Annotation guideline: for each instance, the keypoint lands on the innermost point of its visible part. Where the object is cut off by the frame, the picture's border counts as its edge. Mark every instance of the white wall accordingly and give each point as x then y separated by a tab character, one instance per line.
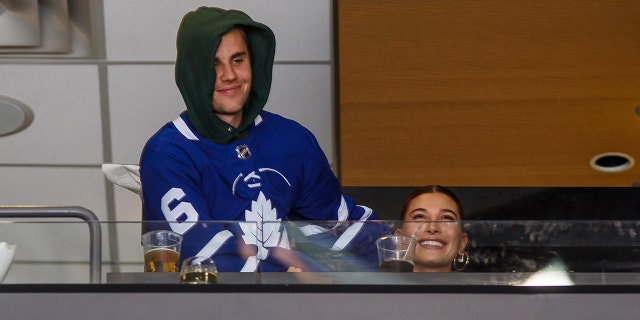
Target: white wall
94	111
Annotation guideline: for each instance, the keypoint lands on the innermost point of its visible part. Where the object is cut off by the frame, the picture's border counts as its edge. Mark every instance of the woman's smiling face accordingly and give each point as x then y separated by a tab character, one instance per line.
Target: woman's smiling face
434	220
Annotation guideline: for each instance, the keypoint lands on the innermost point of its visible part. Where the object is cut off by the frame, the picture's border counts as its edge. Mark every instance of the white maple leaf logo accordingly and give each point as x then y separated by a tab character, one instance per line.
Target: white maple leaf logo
263	235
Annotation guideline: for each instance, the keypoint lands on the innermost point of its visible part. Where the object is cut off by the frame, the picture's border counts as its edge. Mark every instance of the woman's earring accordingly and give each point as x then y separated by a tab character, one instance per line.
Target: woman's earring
461	261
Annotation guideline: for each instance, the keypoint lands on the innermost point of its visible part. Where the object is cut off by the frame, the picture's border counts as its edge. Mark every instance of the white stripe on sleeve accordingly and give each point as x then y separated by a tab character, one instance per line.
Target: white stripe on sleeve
352	231
215	243
251	265
184	129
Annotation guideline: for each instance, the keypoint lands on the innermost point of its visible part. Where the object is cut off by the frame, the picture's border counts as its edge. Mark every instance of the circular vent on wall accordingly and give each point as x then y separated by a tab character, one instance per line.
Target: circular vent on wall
612	162
15	115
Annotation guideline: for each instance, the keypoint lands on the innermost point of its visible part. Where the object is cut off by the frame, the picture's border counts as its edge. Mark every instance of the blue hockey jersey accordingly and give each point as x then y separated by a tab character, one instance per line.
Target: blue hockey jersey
188	180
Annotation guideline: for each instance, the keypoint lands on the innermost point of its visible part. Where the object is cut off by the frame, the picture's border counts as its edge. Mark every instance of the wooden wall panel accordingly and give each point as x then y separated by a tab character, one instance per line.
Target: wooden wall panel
487	93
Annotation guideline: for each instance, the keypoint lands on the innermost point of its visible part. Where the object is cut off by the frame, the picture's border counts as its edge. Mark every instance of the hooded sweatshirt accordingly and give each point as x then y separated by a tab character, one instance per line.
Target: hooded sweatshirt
198	39
196	174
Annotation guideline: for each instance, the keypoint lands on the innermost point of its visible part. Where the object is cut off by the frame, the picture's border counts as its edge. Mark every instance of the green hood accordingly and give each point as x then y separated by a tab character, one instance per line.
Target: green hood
198	39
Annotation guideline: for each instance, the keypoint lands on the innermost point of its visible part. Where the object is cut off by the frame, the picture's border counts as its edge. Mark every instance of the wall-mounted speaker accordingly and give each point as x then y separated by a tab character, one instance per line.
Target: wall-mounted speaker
53	33
47	28
19	23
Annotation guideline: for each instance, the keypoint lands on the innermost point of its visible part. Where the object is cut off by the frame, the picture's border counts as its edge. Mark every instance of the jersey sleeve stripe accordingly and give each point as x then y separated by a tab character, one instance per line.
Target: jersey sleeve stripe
215	243
184	129
352	231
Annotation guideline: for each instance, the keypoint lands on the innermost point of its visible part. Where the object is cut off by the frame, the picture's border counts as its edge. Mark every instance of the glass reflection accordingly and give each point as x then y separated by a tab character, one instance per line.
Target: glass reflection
504	253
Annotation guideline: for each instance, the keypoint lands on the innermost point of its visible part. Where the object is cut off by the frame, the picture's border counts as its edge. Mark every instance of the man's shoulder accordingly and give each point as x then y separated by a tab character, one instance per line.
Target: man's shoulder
173	136
276	121
286	134
166	134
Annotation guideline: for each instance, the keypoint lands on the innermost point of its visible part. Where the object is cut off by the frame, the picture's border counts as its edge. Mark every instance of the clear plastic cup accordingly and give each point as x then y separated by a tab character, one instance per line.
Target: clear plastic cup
395	253
161	251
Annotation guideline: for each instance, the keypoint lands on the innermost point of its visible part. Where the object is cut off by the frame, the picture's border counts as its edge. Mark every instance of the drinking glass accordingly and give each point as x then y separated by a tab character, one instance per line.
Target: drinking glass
161	251
198	270
395	253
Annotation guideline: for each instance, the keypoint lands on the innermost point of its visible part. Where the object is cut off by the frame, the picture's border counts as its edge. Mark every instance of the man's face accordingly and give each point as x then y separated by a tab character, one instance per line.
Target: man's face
233	77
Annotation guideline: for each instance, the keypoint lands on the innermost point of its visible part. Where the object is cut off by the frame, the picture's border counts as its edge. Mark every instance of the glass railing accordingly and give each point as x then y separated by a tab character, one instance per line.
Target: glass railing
501	253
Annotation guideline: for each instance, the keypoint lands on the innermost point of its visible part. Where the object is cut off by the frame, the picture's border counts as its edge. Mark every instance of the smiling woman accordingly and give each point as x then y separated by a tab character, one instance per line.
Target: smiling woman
433	215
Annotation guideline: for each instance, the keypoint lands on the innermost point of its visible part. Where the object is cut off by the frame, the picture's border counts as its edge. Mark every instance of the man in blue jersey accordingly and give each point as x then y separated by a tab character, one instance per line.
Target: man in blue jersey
226	159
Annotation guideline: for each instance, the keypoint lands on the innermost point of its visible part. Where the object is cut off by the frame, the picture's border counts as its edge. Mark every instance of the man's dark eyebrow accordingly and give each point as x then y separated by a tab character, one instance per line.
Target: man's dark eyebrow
239	54
233	56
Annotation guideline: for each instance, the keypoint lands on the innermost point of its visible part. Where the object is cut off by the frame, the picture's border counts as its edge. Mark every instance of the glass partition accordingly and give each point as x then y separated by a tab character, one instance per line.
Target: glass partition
513	253
500	253
47	251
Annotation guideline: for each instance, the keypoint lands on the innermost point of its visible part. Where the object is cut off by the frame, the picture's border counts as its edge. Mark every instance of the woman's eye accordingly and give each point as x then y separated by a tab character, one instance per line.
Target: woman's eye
449	218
